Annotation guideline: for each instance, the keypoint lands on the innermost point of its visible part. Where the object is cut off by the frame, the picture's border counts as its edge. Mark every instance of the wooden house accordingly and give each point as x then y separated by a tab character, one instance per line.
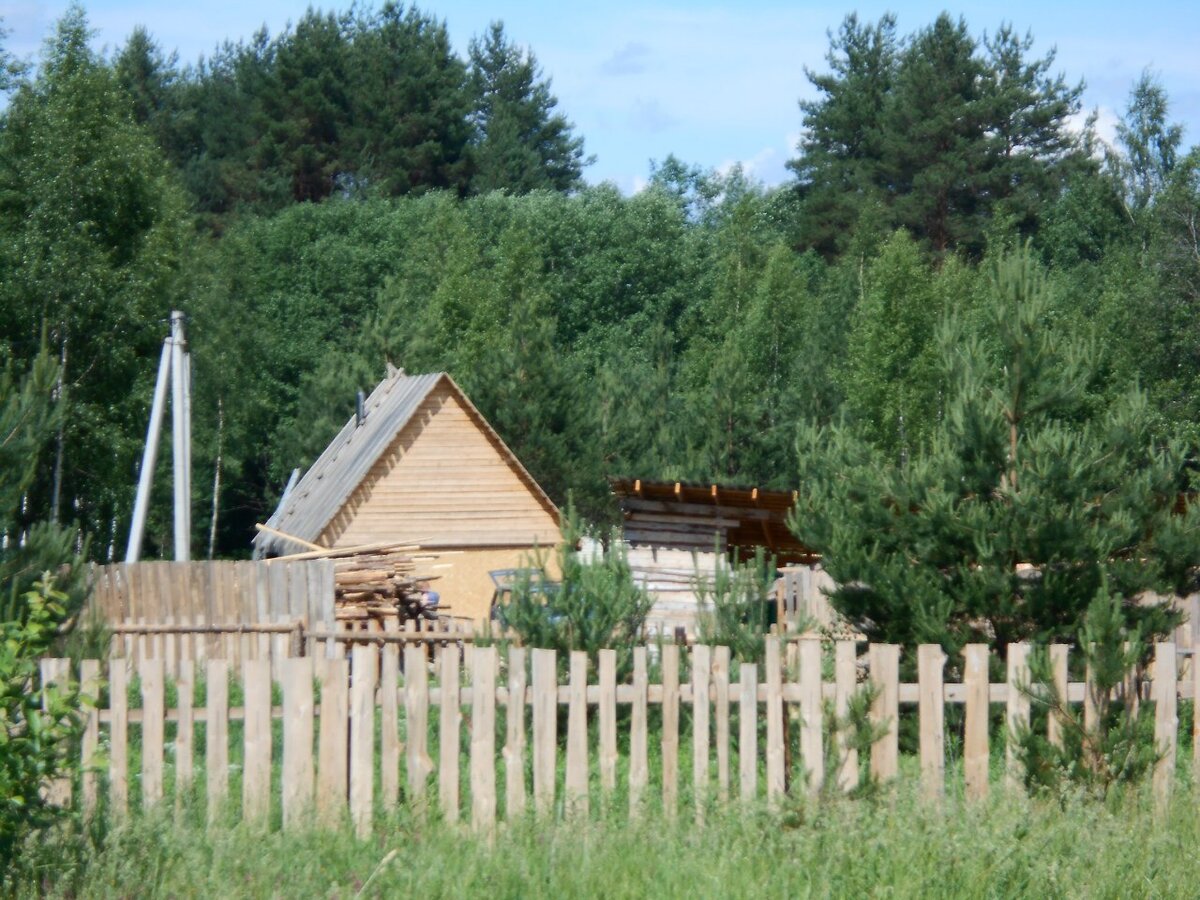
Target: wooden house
677	534
418	463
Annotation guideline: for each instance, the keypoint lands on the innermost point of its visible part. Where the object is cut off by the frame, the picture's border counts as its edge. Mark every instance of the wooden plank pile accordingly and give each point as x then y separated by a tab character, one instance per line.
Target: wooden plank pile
374	581
380	584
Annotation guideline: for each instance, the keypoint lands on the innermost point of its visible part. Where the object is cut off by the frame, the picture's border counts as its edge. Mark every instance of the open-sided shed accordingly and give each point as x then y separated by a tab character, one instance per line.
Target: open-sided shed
422	465
678	532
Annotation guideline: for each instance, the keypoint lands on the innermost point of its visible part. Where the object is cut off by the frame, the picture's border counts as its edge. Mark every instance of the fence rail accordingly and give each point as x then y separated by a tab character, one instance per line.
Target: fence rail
355	711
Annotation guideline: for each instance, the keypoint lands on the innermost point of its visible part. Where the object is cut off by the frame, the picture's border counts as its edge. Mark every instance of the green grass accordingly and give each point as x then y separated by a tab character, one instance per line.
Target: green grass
895	847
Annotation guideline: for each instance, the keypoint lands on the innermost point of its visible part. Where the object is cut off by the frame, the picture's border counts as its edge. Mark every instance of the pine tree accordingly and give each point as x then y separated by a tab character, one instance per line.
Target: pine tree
1026	501
521	142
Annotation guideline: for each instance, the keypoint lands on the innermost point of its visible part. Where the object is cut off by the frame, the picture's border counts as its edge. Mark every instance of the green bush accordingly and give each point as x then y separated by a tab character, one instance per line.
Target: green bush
37	729
595	606
734	607
1118	747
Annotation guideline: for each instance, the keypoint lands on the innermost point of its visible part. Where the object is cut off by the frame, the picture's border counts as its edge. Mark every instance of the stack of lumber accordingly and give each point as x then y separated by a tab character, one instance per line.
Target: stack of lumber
381	584
374	581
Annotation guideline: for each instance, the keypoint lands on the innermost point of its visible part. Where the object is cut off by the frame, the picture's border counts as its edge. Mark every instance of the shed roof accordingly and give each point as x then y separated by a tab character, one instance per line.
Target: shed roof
308	508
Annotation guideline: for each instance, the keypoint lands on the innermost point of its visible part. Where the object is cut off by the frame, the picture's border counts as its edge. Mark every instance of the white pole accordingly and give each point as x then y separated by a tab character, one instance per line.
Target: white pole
149	457
183	525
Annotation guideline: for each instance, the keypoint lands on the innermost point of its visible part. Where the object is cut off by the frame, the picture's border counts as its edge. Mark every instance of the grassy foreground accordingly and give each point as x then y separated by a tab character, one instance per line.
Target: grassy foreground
896	847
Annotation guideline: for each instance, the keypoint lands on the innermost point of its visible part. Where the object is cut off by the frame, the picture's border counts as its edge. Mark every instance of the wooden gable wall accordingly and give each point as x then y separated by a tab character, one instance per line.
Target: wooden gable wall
445	481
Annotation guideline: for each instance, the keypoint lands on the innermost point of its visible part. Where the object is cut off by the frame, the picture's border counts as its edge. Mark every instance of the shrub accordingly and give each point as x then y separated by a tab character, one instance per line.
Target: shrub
734	606
595	606
37	729
1118	747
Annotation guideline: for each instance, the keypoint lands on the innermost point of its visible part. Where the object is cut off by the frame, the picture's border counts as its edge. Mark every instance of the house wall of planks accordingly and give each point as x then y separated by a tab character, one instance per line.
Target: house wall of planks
388	727
225	593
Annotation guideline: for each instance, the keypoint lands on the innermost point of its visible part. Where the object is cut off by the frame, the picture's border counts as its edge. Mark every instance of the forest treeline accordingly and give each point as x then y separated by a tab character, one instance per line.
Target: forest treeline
350	192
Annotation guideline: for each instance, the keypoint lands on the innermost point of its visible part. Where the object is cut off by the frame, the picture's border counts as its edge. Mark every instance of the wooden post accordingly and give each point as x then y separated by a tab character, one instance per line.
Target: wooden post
216	737
333	742
450	716
701	673
389	723
184	731
845	668
514	746
297	776
1017	710
774	714
638	739
720	677
1058	671
670	729
885	712
483	738
931	698
416	716
256	767
607	712
812	745
545	728
153	721
1091	701
1166	723
975	730
748	731
90	685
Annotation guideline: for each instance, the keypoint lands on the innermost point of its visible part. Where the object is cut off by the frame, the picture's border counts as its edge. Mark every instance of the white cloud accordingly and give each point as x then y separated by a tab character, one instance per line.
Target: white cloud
629	60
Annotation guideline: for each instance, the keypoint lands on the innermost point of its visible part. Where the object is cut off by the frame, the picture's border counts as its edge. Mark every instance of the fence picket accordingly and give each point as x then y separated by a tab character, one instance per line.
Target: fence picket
607	713
118	736
774	713
1166	722
1058	670
670	729
332	742
639	770
748	731
216	736
56	673
185	730
153	725
812	743
701	675
1016	710
930	665
514	745
297	775
720	678
884	660
389	721
845	668
256	759
364	676
545	728
975	728
483	738
448	737
416	717
90	686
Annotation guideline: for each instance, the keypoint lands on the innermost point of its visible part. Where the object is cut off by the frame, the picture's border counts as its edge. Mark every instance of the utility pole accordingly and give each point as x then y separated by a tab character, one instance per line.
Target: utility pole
174	367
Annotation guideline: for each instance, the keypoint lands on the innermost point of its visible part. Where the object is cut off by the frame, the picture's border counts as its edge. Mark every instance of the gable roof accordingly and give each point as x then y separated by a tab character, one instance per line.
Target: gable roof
308	508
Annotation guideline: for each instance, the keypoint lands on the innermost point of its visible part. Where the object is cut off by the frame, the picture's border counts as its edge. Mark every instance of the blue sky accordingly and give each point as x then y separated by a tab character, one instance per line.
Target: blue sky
712	82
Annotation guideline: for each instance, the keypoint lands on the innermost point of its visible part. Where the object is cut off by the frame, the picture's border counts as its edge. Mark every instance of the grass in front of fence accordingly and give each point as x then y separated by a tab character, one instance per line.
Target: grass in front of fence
1010	846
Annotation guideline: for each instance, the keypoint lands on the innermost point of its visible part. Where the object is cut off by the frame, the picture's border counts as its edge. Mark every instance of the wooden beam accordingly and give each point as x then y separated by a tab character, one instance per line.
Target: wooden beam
291	538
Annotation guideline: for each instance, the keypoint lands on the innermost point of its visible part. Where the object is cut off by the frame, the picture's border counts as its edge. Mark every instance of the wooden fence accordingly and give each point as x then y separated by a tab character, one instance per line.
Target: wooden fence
364	705
211	603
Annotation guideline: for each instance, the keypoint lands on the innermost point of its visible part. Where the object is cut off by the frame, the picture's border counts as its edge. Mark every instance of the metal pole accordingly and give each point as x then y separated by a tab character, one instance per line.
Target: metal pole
183	525
149	457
